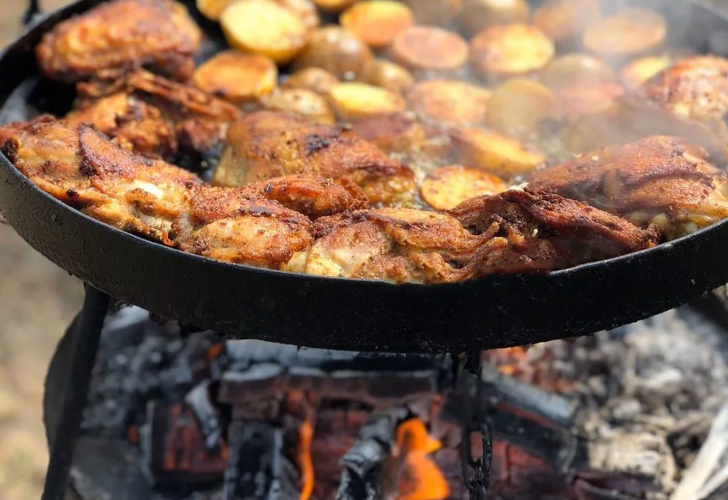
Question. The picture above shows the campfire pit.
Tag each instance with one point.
(185, 415)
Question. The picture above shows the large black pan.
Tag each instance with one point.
(247, 302)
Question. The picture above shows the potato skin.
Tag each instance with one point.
(566, 20)
(427, 48)
(337, 51)
(449, 102)
(315, 79)
(237, 76)
(377, 22)
(390, 76)
(447, 187)
(303, 102)
(264, 27)
(477, 15)
(514, 49)
(434, 12)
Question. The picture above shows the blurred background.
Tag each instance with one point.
(37, 302)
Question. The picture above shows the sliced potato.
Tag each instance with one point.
(447, 187)
(434, 12)
(395, 133)
(640, 70)
(336, 50)
(565, 20)
(212, 9)
(377, 22)
(237, 76)
(264, 27)
(355, 101)
(305, 9)
(314, 79)
(519, 106)
(628, 33)
(428, 48)
(580, 99)
(389, 76)
(303, 102)
(480, 14)
(449, 102)
(334, 5)
(494, 153)
(514, 49)
(576, 68)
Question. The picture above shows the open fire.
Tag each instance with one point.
(617, 416)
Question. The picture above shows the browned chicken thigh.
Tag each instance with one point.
(156, 34)
(660, 180)
(269, 144)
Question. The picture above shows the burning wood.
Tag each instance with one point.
(271, 421)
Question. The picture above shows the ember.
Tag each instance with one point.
(620, 415)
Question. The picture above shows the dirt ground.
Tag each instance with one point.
(37, 301)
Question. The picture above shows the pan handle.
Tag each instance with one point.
(31, 12)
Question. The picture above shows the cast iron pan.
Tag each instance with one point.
(246, 302)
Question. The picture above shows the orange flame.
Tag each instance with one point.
(304, 460)
(421, 479)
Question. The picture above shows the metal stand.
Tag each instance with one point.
(86, 335)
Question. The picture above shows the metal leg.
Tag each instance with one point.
(86, 336)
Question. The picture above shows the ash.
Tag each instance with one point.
(645, 395)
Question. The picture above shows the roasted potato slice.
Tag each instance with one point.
(434, 12)
(377, 22)
(447, 187)
(300, 101)
(355, 101)
(264, 27)
(480, 14)
(396, 133)
(514, 49)
(580, 99)
(305, 9)
(449, 102)
(566, 20)
(628, 33)
(494, 153)
(212, 9)
(336, 50)
(334, 5)
(237, 76)
(576, 68)
(640, 70)
(429, 49)
(389, 76)
(315, 79)
(519, 106)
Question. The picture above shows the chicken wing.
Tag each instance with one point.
(394, 244)
(545, 231)
(156, 34)
(269, 144)
(660, 180)
(154, 116)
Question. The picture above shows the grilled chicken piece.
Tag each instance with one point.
(156, 34)
(660, 180)
(545, 231)
(154, 116)
(255, 224)
(695, 87)
(394, 244)
(269, 144)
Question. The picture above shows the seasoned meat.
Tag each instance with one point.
(270, 144)
(153, 116)
(399, 245)
(545, 231)
(156, 34)
(660, 180)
